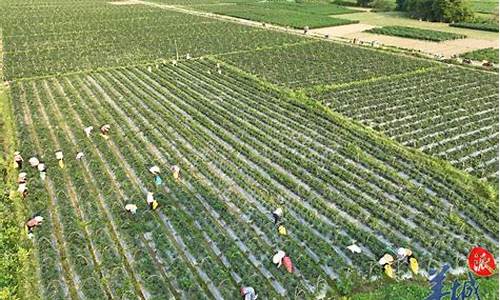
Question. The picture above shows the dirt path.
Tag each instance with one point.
(446, 48)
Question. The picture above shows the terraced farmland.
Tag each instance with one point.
(450, 113)
(244, 148)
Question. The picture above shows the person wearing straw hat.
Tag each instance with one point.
(131, 208)
(33, 161)
(248, 293)
(155, 170)
(60, 158)
(152, 202)
(18, 160)
(42, 169)
(277, 214)
(406, 255)
(386, 262)
(176, 171)
(88, 130)
(105, 130)
(32, 224)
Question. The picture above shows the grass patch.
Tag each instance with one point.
(416, 33)
(489, 54)
(484, 6)
(296, 15)
(477, 26)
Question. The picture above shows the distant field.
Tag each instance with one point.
(41, 41)
(297, 15)
(400, 19)
(484, 6)
(416, 33)
(489, 54)
(322, 63)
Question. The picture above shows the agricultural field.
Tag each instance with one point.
(48, 43)
(245, 149)
(296, 15)
(489, 54)
(416, 33)
(321, 62)
(485, 6)
(358, 146)
(447, 112)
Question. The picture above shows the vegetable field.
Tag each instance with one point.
(358, 147)
(489, 54)
(296, 15)
(416, 33)
(448, 112)
(245, 148)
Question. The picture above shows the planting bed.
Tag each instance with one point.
(449, 112)
(416, 33)
(244, 148)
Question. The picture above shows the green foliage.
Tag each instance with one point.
(439, 10)
(363, 3)
(442, 124)
(489, 54)
(296, 15)
(60, 38)
(479, 26)
(382, 5)
(321, 62)
(416, 33)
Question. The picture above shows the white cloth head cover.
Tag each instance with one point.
(38, 219)
(88, 130)
(403, 252)
(34, 161)
(175, 169)
(386, 259)
(278, 211)
(79, 155)
(22, 175)
(131, 208)
(41, 167)
(16, 153)
(354, 248)
(155, 170)
(149, 197)
(22, 187)
(278, 256)
(59, 155)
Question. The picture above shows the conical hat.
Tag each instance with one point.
(386, 259)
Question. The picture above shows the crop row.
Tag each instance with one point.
(416, 33)
(243, 149)
(322, 63)
(66, 37)
(449, 112)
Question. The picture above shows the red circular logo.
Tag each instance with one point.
(481, 262)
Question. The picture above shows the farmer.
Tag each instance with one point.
(281, 258)
(306, 29)
(406, 255)
(32, 223)
(105, 130)
(43, 170)
(21, 178)
(354, 248)
(60, 158)
(34, 162)
(131, 208)
(153, 204)
(386, 262)
(23, 189)
(18, 160)
(79, 155)
(88, 130)
(155, 170)
(176, 171)
(248, 293)
(277, 214)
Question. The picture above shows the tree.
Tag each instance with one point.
(451, 10)
(382, 5)
(363, 3)
(400, 5)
